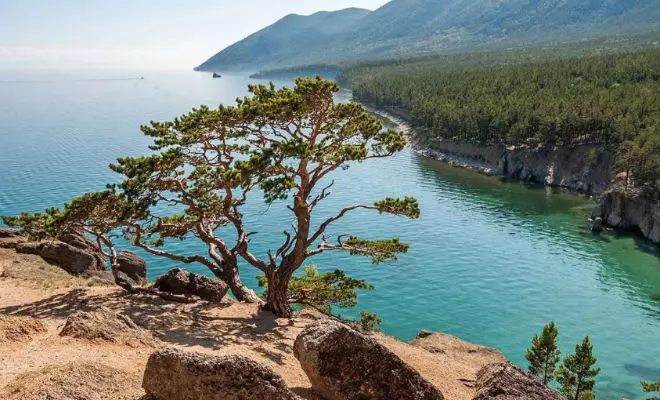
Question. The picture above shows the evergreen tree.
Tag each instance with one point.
(194, 185)
(576, 375)
(650, 387)
(543, 356)
(606, 101)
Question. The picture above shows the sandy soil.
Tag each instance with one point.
(31, 288)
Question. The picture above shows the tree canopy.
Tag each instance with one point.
(284, 144)
(604, 100)
(543, 356)
(576, 374)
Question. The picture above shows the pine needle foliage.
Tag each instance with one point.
(577, 373)
(543, 356)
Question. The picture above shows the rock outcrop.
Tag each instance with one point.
(107, 326)
(7, 233)
(178, 375)
(505, 381)
(180, 282)
(585, 169)
(73, 251)
(73, 260)
(631, 213)
(11, 238)
(341, 363)
(131, 270)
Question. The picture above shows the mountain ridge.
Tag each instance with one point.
(257, 48)
(404, 28)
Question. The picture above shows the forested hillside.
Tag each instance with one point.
(611, 100)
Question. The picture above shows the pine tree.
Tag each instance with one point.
(576, 373)
(284, 144)
(543, 356)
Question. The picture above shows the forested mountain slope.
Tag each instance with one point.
(608, 100)
(416, 27)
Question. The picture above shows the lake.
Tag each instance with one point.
(490, 262)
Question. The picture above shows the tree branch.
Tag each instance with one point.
(330, 220)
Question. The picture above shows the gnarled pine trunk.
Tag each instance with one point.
(242, 293)
(277, 297)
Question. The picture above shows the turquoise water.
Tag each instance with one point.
(490, 262)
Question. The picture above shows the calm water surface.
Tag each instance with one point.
(490, 262)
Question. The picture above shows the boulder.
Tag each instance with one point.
(107, 326)
(341, 363)
(73, 260)
(131, 269)
(79, 240)
(597, 225)
(424, 334)
(73, 252)
(174, 374)
(180, 282)
(505, 381)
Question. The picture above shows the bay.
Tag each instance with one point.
(490, 262)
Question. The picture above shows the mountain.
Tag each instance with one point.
(414, 27)
(285, 39)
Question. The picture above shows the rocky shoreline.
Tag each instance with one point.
(585, 170)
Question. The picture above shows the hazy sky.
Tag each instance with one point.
(137, 33)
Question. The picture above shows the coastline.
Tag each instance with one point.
(562, 168)
(453, 159)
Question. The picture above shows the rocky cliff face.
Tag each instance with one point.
(632, 213)
(586, 169)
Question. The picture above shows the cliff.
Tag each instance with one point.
(633, 213)
(585, 169)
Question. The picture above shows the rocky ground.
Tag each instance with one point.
(49, 351)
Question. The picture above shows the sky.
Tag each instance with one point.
(158, 34)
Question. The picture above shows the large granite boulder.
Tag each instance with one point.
(342, 363)
(73, 260)
(131, 270)
(505, 381)
(73, 252)
(174, 374)
(180, 282)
